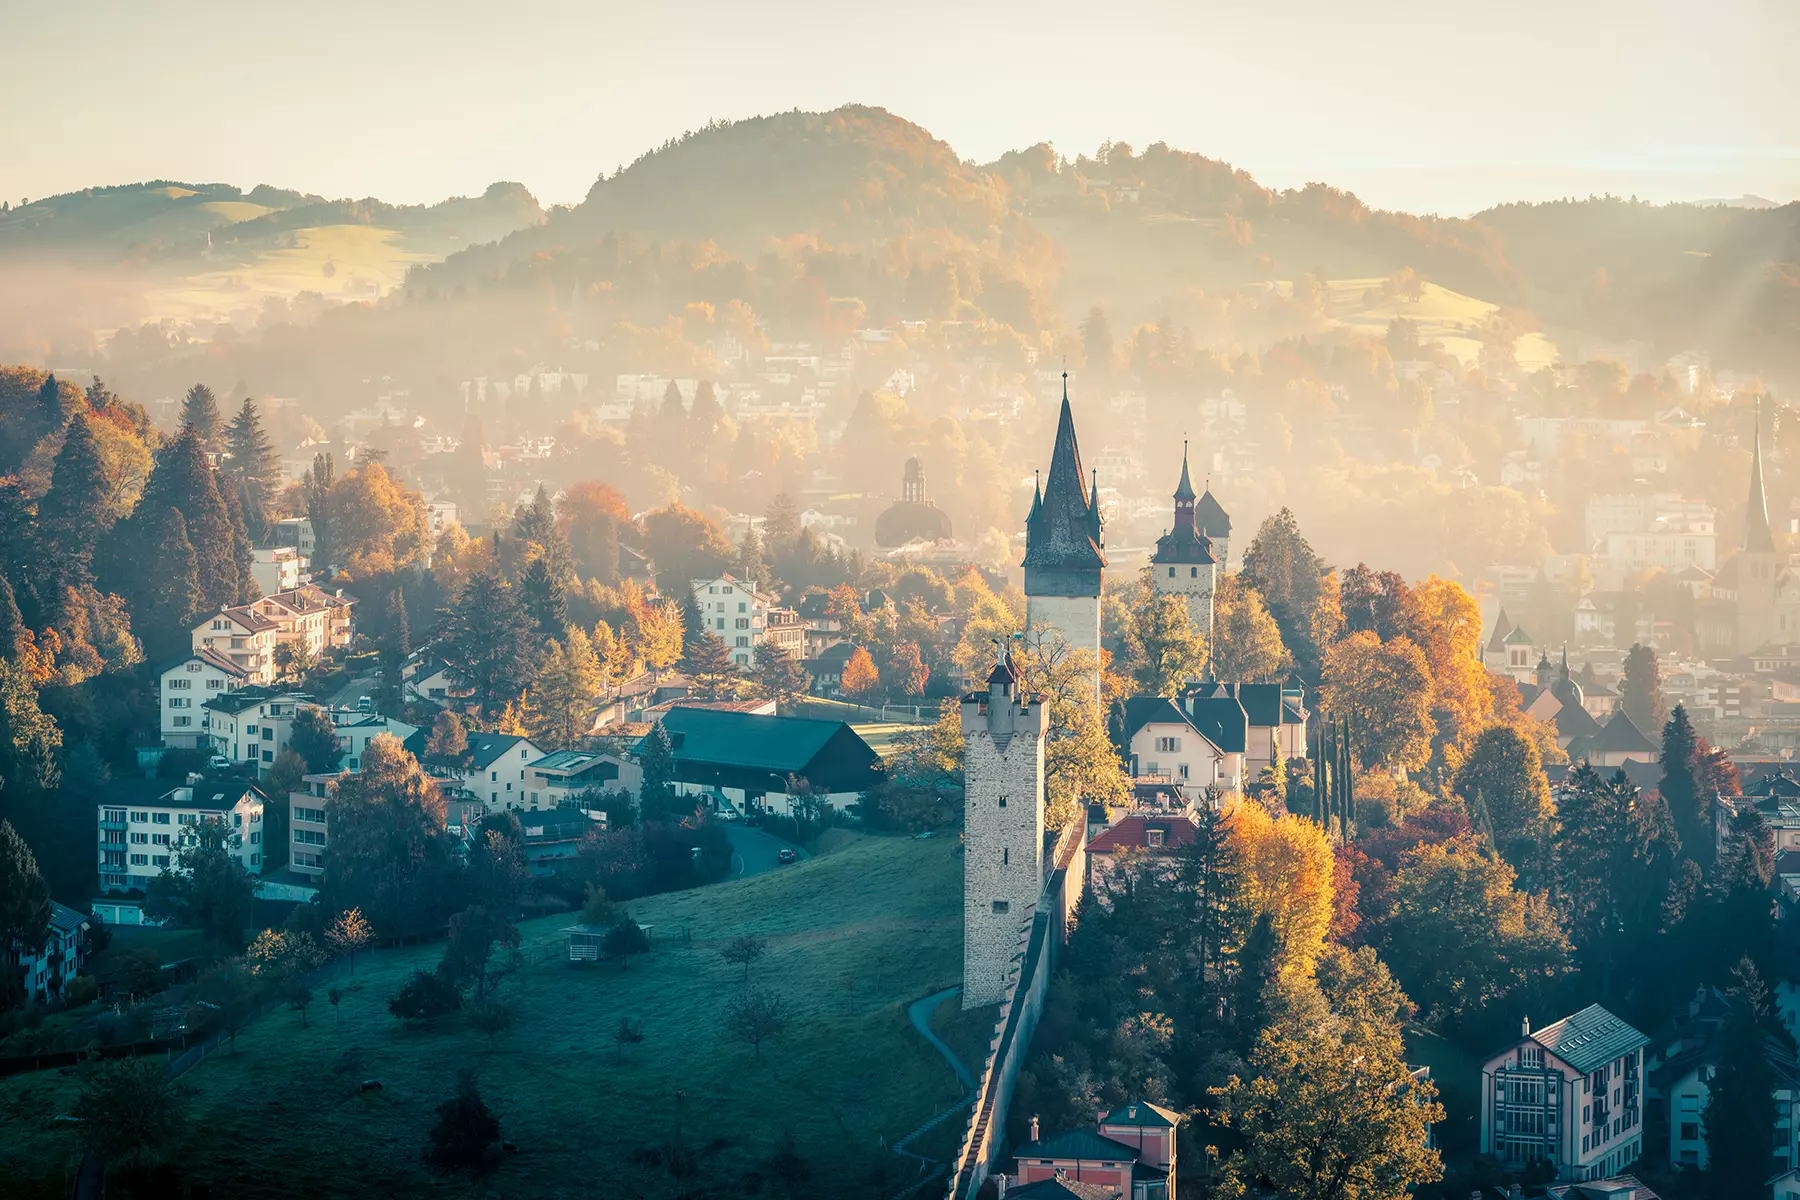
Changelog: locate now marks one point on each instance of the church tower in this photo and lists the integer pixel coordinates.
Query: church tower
(1003, 830)
(1214, 524)
(1064, 561)
(1758, 564)
(1183, 563)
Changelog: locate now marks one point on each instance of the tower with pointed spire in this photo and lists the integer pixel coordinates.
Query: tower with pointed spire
(1003, 828)
(1183, 564)
(1064, 556)
(1758, 565)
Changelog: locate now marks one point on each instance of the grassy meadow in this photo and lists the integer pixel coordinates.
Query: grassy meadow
(285, 1113)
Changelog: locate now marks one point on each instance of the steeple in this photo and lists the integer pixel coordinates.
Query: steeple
(1758, 537)
(1064, 527)
(1184, 498)
(1185, 489)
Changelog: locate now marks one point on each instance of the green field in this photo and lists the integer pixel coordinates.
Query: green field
(283, 1115)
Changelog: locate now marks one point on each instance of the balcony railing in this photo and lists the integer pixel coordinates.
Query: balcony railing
(118, 825)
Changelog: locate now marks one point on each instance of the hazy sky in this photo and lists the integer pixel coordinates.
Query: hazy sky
(1433, 107)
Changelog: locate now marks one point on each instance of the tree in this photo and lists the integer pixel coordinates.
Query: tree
(906, 674)
(1454, 903)
(335, 997)
(229, 991)
(1163, 648)
(314, 738)
(779, 673)
(1081, 764)
(1385, 690)
(624, 940)
(560, 707)
(128, 1109)
(860, 678)
(781, 523)
(467, 1134)
(30, 742)
(1331, 1110)
(743, 951)
(208, 891)
(24, 912)
(350, 932)
(448, 740)
(542, 597)
(1741, 1110)
(709, 662)
(593, 515)
(315, 489)
(425, 996)
(1504, 769)
(1688, 806)
(487, 641)
(498, 870)
(1246, 643)
(1640, 691)
(278, 959)
(756, 1017)
(396, 646)
(1283, 568)
(656, 760)
(183, 480)
(170, 603)
(474, 934)
(1097, 340)
(74, 514)
(252, 455)
(1285, 868)
(390, 855)
(492, 1018)
(626, 1033)
(200, 413)
(686, 545)
(300, 998)
(1614, 859)
(659, 633)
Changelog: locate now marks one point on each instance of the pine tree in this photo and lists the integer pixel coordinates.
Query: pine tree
(182, 480)
(487, 641)
(15, 637)
(1741, 1109)
(316, 487)
(560, 705)
(1209, 873)
(200, 413)
(709, 662)
(778, 672)
(1680, 786)
(541, 593)
(241, 554)
(706, 419)
(656, 759)
(1640, 691)
(252, 454)
(73, 515)
(751, 566)
(173, 597)
(781, 527)
(24, 909)
(671, 425)
(396, 644)
(50, 402)
(535, 525)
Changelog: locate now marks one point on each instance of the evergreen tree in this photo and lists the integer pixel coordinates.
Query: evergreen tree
(1741, 1111)
(541, 593)
(751, 566)
(781, 526)
(241, 554)
(1209, 873)
(487, 641)
(396, 645)
(252, 454)
(316, 488)
(200, 413)
(706, 419)
(1640, 692)
(24, 912)
(1283, 568)
(560, 705)
(172, 597)
(50, 403)
(656, 759)
(672, 425)
(1615, 856)
(184, 481)
(779, 673)
(693, 624)
(536, 525)
(709, 663)
(1680, 786)
(74, 513)
(15, 637)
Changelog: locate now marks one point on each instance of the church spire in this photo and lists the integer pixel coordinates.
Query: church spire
(1064, 529)
(1758, 537)
(1185, 489)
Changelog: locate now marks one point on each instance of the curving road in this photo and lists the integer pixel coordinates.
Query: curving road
(753, 851)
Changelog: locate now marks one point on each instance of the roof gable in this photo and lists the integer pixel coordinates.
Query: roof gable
(1588, 1039)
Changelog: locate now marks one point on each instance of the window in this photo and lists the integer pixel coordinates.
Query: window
(1532, 1057)
(161, 818)
(178, 701)
(177, 685)
(1003, 802)
(140, 816)
(162, 860)
(256, 837)
(309, 837)
(249, 731)
(1193, 572)
(140, 860)
(140, 839)
(183, 722)
(237, 820)
(1155, 836)
(743, 622)
(1168, 745)
(1171, 572)
(743, 641)
(314, 815)
(1002, 906)
(1690, 1131)
(1005, 856)
(161, 839)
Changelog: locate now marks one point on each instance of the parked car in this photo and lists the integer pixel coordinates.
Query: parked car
(785, 857)
(218, 762)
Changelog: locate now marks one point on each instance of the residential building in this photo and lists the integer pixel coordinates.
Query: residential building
(1619, 742)
(1132, 1150)
(296, 532)
(736, 613)
(141, 837)
(494, 769)
(1162, 744)
(1618, 1187)
(553, 837)
(182, 689)
(252, 724)
(243, 636)
(276, 568)
(823, 629)
(1568, 1095)
(787, 631)
(301, 617)
(1680, 1067)
(1776, 796)
(745, 760)
(308, 830)
(49, 970)
(1137, 837)
(356, 729)
(430, 683)
(556, 779)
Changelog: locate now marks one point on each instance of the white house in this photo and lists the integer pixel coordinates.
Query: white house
(184, 686)
(276, 568)
(494, 769)
(355, 730)
(734, 612)
(245, 637)
(301, 616)
(252, 724)
(50, 970)
(1680, 1070)
(558, 778)
(430, 683)
(1569, 1094)
(1163, 743)
(139, 838)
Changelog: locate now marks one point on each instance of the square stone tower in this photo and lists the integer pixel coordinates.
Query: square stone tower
(1003, 831)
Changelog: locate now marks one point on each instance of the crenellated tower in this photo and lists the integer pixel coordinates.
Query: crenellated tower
(1064, 560)
(1003, 828)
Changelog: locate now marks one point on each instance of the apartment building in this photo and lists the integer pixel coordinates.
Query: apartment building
(245, 637)
(737, 614)
(139, 838)
(308, 831)
(184, 687)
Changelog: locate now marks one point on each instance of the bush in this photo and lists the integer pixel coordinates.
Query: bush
(467, 1134)
(82, 990)
(425, 997)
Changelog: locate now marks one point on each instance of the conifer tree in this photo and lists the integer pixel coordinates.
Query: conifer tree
(24, 910)
(173, 596)
(184, 481)
(252, 454)
(487, 641)
(50, 402)
(73, 514)
(1640, 691)
(706, 419)
(15, 637)
(1680, 785)
(541, 593)
(241, 554)
(200, 413)
(671, 424)
(1741, 1109)
(709, 662)
(316, 487)
(396, 644)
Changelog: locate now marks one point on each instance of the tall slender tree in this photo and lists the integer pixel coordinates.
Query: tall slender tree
(1680, 785)
(200, 413)
(1741, 1110)
(487, 641)
(24, 912)
(73, 515)
(1640, 691)
(316, 487)
(172, 597)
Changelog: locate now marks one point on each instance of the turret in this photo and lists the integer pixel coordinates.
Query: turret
(1064, 560)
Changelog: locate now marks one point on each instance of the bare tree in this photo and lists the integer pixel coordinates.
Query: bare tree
(626, 1033)
(755, 1017)
(742, 951)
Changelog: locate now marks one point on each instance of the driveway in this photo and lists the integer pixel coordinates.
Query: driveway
(753, 851)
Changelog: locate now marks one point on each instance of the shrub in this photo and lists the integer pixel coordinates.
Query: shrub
(82, 990)
(425, 997)
(467, 1134)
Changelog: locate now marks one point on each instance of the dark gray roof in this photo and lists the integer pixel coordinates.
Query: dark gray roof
(1262, 702)
(1502, 627)
(1211, 518)
(1574, 721)
(1620, 734)
(209, 656)
(1084, 1145)
(485, 749)
(65, 918)
(1064, 527)
(1589, 1038)
(1064, 1188)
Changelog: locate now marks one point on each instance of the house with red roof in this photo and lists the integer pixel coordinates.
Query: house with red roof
(1137, 835)
(1131, 1151)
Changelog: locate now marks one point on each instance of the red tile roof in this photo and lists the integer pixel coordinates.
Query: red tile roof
(1133, 833)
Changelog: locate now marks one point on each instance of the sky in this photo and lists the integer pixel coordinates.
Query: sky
(1446, 107)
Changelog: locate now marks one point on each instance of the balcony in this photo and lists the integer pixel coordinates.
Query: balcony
(114, 825)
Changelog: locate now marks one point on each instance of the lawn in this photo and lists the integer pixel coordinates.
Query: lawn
(848, 1077)
(344, 262)
(1440, 314)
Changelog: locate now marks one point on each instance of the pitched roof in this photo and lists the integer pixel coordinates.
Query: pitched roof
(1081, 1144)
(1262, 703)
(1142, 1112)
(253, 621)
(66, 919)
(1620, 734)
(1214, 710)
(1151, 710)
(1574, 721)
(211, 658)
(1502, 627)
(1133, 833)
(1211, 517)
(1064, 528)
(1185, 489)
(485, 749)
(1518, 637)
(1588, 1038)
(776, 744)
(1064, 1188)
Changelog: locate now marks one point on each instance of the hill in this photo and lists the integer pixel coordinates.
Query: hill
(848, 1078)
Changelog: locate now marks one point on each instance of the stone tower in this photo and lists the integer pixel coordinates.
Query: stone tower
(1003, 831)
(1183, 563)
(1758, 563)
(1064, 561)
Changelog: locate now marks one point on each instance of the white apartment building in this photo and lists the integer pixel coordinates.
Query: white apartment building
(276, 568)
(49, 971)
(300, 615)
(355, 730)
(1662, 529)
(1165, 746)
(140, 838)
(252, 724)
(494, 770)
(735, 612)
(559, 777)
(245, 637)
(308, 832)
(184, 687)
(1569, 1095)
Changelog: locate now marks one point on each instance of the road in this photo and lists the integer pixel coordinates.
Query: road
(753, 851)
(358, 687)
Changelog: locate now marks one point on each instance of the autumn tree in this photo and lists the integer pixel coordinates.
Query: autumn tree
(391, 857)
(1504, 770)
(560, 706)
(1081, 764)
(1285, 867)
(860, 679)
(686, 545)
(350, 931)
(449, 739)
(594, 518)
(1163, 647)
(1286, 572)
(1246, 644)
(657, 634)
(1385, 690)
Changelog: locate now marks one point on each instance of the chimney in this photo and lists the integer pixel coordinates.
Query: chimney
(1525, 1026)
(1034, 1129)
(1000, 1184)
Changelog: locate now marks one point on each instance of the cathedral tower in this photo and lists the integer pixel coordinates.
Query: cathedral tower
(1003, 830)
(1183, 563)
(1758, 564)
(1064, 561)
